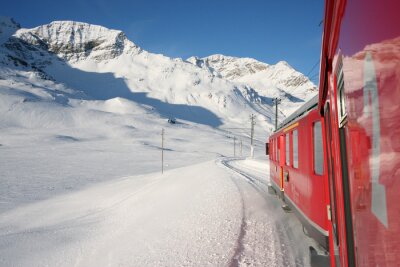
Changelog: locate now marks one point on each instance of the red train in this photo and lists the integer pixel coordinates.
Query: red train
(336, 161)
(298, 171)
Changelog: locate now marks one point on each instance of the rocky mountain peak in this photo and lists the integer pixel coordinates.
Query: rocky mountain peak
(229, 67)
(77, 40)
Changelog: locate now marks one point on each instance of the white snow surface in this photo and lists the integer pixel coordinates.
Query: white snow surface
(81, 113)
(185, 217)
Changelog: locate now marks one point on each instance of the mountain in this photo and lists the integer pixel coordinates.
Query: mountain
(279, 80)
(82, 104)
(80, 63)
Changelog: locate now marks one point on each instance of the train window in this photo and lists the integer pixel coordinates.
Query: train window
(287, 149)
(277, 149)
(342, 114)
(295, 149)
(318, 149)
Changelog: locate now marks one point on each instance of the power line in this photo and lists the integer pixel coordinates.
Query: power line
(316, 75)
(316, 64)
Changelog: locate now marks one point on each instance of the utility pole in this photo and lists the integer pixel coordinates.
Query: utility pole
(162, 151)
(241, 154)
(276, 101)
(234, 146)
(252, 135)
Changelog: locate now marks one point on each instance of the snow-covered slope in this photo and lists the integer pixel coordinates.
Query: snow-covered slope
(75, 84)
(99, 63)
(279, 80)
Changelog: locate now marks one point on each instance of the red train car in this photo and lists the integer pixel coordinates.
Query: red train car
(298, 171)
(359, 105)
(359, 98)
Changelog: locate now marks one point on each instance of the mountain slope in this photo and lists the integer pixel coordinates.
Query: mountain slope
(91, 62)
(279, 80)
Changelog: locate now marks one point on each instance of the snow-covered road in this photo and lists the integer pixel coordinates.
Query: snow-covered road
(200, 215)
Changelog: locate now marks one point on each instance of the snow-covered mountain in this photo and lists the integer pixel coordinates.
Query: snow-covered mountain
(79, 63)
(279, 80)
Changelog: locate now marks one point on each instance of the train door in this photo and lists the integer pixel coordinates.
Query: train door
(345, 183)
(332, 187)
(339, 185)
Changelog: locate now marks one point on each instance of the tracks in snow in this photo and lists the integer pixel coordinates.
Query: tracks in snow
(268, 236)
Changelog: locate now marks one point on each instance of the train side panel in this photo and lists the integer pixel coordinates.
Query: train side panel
(294, 174)
(362, 95)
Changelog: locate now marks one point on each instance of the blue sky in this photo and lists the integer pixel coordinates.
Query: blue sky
(267, 30)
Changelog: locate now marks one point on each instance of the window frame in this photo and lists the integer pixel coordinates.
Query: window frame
(321, 150)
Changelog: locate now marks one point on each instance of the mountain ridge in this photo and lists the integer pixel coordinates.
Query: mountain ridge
(94, 61)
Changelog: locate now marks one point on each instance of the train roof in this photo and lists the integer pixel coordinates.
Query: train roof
(304, 109)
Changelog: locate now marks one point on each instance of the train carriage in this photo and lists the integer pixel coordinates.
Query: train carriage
(301, 182)
(358, 108)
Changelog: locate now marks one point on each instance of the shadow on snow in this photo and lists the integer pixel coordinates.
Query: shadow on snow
(104, 86)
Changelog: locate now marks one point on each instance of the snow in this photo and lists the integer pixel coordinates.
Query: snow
(140, 219)
(186, 217)
(103, 64)
(81, 114)
(269, 81)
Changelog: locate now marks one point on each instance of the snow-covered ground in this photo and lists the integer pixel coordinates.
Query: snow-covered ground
(204, 214)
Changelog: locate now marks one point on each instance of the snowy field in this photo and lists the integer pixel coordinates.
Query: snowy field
(81, 186)
(105, 203)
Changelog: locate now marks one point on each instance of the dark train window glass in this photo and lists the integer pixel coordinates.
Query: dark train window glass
(287, 150)
(295, 149)
(342, 114)
(318, 149)
(277, 149)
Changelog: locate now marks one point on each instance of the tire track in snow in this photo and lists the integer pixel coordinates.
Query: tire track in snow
(269, 241)
(280, 248)
(235, 260)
